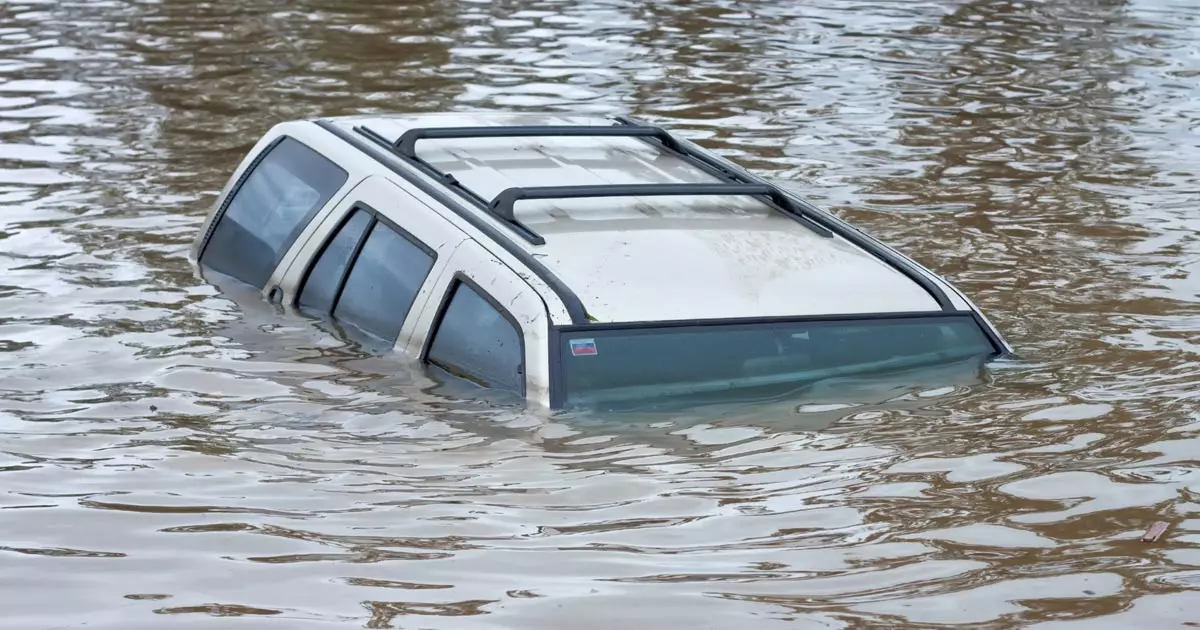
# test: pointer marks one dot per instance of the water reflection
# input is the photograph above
(167, 448)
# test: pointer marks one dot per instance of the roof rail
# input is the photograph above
(406, 144)
(502, 205)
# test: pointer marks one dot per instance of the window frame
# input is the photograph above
(301, 225)
(558, 380)
(376, 217)
(458, 279)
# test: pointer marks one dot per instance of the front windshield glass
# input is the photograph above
(754, 359)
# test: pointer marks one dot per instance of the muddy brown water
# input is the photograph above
(175, 456)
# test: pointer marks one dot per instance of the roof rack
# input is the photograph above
(501, 208)
(405, 148)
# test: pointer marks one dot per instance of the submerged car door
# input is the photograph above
(372, 264)
(485, 325)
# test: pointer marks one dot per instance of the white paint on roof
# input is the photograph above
(658, 258)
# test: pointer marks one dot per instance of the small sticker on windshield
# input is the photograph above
(583, 347)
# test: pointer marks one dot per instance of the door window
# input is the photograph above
(368, 276)
(325, 280)
(383, 283)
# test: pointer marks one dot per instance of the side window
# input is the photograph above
(325, 279)
(368, 282)
(383, 283)
(273, 204)
(475, 341)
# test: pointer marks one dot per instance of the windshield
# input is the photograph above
(764, 358)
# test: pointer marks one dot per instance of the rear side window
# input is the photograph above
(368, 276)
(269, 209)
(476, 341)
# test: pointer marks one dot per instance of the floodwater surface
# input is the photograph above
(174, 455)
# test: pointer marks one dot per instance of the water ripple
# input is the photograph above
(168, 448)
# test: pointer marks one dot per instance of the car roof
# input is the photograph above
(658, 258)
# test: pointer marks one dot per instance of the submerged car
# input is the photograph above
(574, 261)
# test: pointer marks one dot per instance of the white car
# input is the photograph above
(574, 261)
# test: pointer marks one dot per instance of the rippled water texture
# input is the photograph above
(173, 457)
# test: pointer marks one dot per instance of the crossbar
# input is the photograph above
(406, 144)
(503, 206)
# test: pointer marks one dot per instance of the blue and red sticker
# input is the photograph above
(583, 347)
